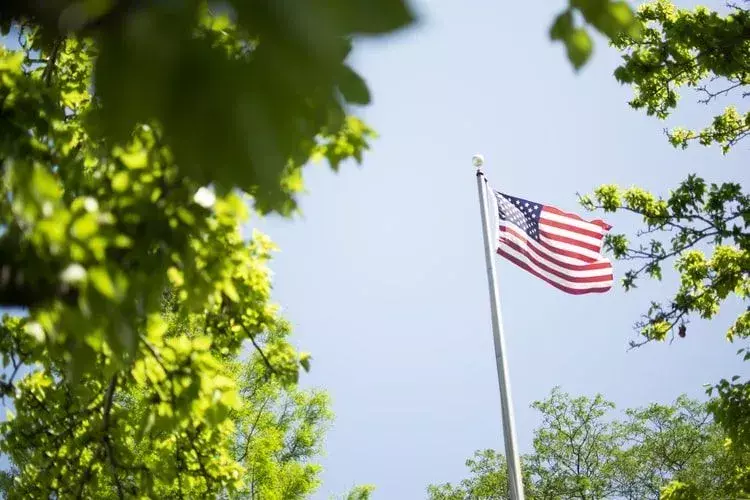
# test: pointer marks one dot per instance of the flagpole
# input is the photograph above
(509, 428)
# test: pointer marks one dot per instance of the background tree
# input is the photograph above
(574, 449)
(701, 228)
(144, 435)
(279, 435)
(582, 450)
(488, 480)
(662, 443)
(362, 492)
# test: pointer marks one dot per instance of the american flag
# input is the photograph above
(559, 247)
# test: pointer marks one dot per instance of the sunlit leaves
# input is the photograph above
(123, 147)
(677, 490)
(694, 217)
(684, 48)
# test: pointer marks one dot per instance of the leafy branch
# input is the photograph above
(695, 214)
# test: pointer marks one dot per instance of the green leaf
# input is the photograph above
(579, 46)
(120, 182)
(621, 13)
(100, 278)
(617, 18)
(12, 62)
(135, 160)
(369, 17)
(563, 26)
(186, 216)
(85, 226)
(231, 291)
(304, 360)
(353, 87)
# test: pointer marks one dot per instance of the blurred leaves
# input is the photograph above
(610, 18)
(272, 73)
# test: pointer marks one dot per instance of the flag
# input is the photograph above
(559, 247)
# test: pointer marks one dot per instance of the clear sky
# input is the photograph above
(383, 275)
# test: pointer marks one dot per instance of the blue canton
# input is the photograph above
(523, 213)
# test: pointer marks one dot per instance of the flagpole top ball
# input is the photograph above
(477, 160)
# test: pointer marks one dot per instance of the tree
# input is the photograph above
(153, 431)
(702, 228)
(581, 451)
(666, 442)
(362, 492)
(136, 138)
(683, 48)
(488, 480)
(278, 436)
(574, 449)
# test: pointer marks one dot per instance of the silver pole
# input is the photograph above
(509, 427)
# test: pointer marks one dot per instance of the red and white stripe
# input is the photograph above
(568, 255)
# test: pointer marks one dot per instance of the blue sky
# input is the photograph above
(383, 274)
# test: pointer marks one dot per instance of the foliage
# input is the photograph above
(488, 481)
(136, 138)
(274, 74)
(581, 451)
(573, 437)
(701, 49)
(279, 432)
(696, 48)
(667, 444)
(700, 228)
(701, 218)
(696, 215)
(184, 421)
(610, 18)
(361, 492)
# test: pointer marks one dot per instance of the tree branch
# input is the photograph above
(260, 351)
(713, 95)
(107, 410)
(52, 61)
(252, 429)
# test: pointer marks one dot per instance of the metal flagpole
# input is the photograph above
(509, 427)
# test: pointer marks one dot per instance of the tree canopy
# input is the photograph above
(583, 451)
